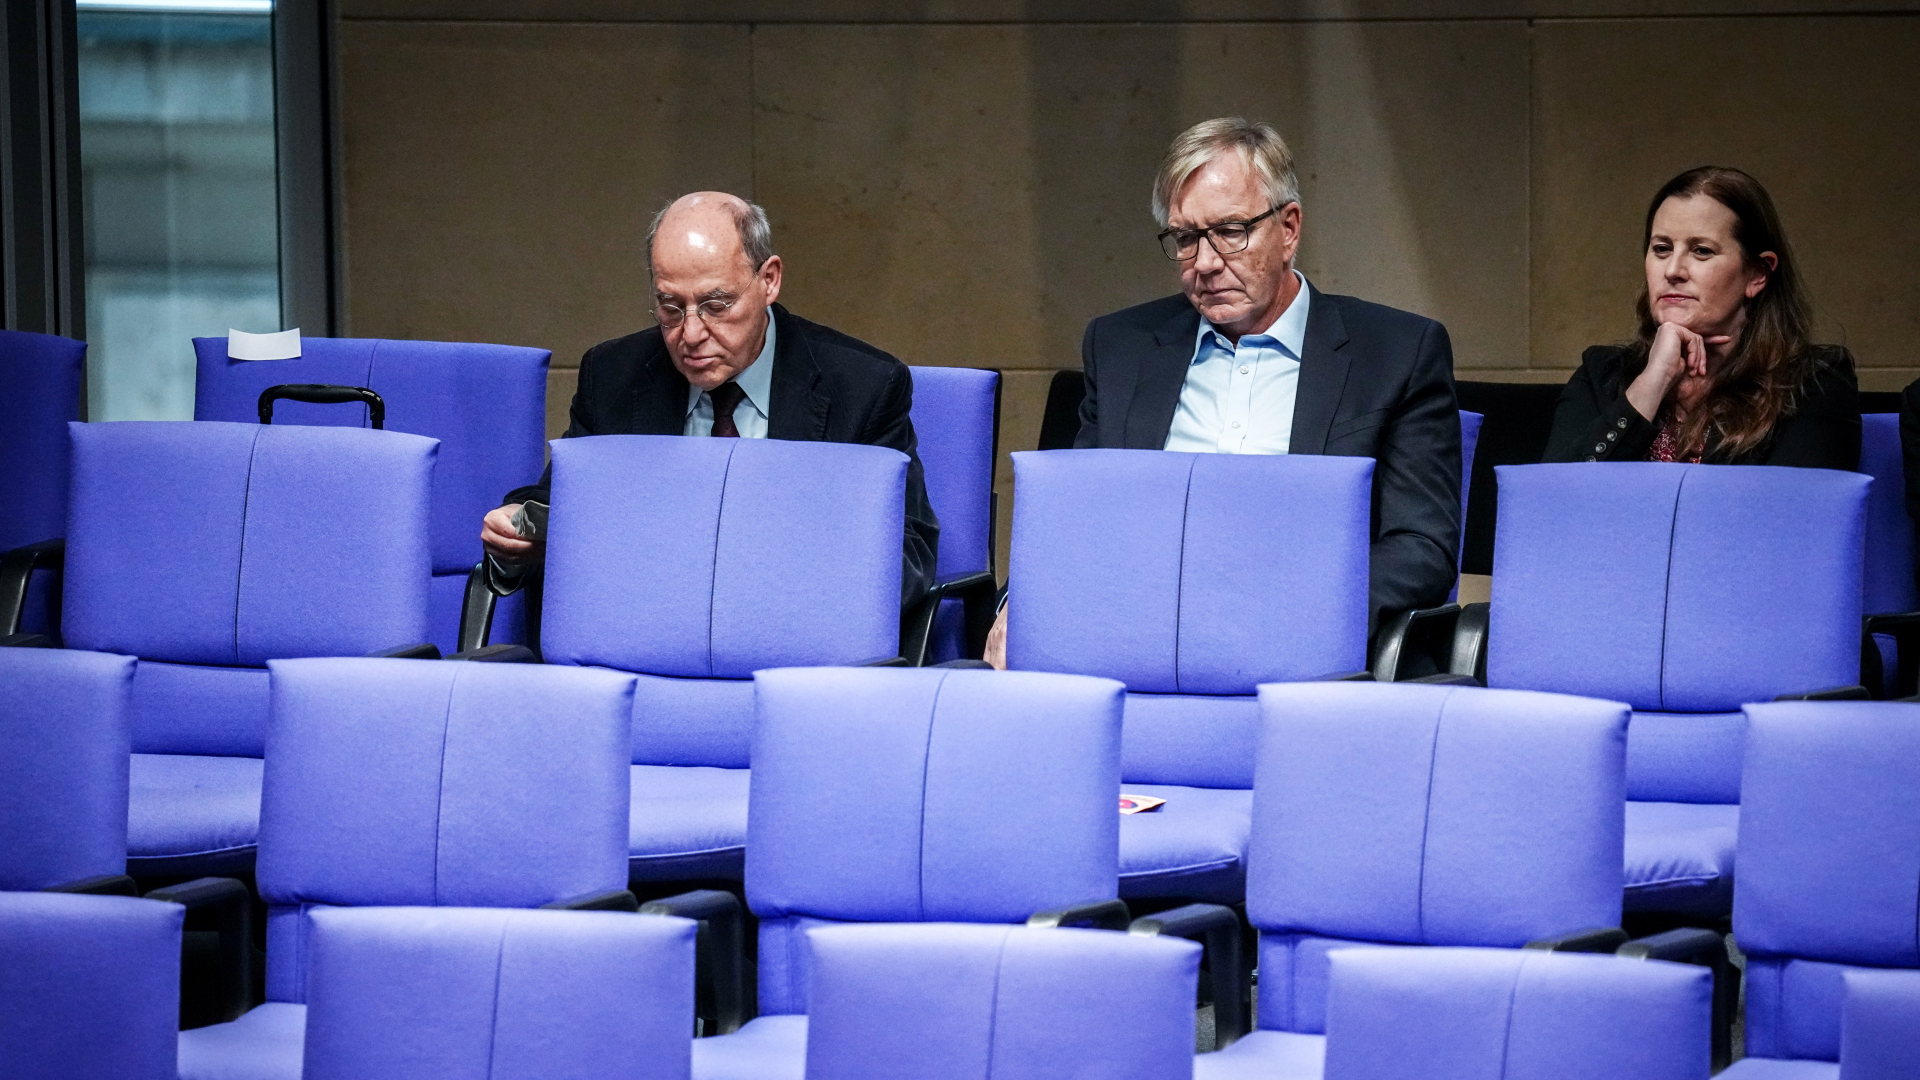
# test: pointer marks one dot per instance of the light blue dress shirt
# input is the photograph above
(750, 416)
(1238, 398)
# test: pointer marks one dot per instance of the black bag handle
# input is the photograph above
(323, 394)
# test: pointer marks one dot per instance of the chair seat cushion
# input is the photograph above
(265, 1044)
(687, 822)
(1680, 857)
(1775, 1069)
(1265, 1055)
(188, 814)
(768, 1048)
(1192, 847)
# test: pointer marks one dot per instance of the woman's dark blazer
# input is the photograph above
(1595, 422)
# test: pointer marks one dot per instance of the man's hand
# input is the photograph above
(502, 540)
(996, 652)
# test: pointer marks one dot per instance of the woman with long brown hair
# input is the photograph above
(1723, 370)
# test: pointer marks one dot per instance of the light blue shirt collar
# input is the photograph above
(756, 380)
(1289, 331)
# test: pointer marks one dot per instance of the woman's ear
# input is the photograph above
(1757, 280)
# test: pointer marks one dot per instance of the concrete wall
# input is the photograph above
(967, 183)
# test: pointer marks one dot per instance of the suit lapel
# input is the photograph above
(1161, 375)
(1323, 376)
(798, 410)
(659, 393)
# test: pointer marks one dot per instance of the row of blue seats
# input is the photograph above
(1385, 817)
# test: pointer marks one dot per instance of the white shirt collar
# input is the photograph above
(756, 380)
(1290, 329)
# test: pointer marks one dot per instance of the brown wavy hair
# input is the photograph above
(1772, 360)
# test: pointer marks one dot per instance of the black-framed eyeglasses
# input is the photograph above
(1226, 238)
(710, 312)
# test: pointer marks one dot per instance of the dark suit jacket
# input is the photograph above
(827, 387)
(1822, 432)
(1374, 382)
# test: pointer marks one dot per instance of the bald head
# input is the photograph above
(710, 225)
(714, 274)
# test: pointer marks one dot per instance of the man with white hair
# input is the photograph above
(1250, 358)
(727, 361)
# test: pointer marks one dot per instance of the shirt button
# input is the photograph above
(1236, 423)
(1599, 448)
(1244, 370)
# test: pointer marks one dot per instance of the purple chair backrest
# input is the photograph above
(1189, 573)
(1009, 1002)
(454, 993)
(982, 797)
(403, 782)
(1888, 575)
(954, 410)
(65, 733)
(1880, 1025)
(40, 386)
(1829, 854)
(1427, 815)
(1682, 588)
(1469, 441)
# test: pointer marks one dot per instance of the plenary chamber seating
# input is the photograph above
(207, 549)
(1685, 591)
(694, 563)
(1888, 595)
(65, 736)
(485, 403)
(423, 783)
(1826, 906)
(955, 414)
(42, 378)
(1138, 565)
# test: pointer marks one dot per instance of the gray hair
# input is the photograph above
(1258, 144)
(756, 234)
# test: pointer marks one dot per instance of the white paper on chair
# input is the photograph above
(284, 345)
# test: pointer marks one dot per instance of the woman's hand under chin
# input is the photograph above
(1677, 365)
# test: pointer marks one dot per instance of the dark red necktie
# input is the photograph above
(726, 397)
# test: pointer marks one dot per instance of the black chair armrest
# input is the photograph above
(426, 650)
(498, 654)
(1446, 679)
(1904, 628)
(233, 908)
(476, 609)
(1345, 676)
(1417, 642)
(965, 665)
(27, 641)
(721, 949)
(1098, 914)
(882, 661)
(16, 574)
(1831, 693)
(1469, 653)
(1597, 940)
(609, 900)
(104, 885)
(1217, 929)
(1708, 949)
(976, 590)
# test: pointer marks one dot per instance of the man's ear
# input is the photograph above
(1757, 280)
(770, 274)
(1289, 216)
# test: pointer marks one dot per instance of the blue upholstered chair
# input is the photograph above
(65, 735)
(1685, 591)
(910, 796)
(91, 989)
(207, 549)
(1412, 815)
(1829, 857)
(1191, 578)
(455, 993)
(409, 782)
(1507, 1014)
(487, 404)
(694, 563)
(42, 378)
(1887, 574)
(955, 414)
(1469, 441)
(947, 1002)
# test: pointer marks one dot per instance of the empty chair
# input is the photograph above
(947, 1002)
(92, 987)
(694, 562)
(1685, 591)
(910, 796)
(487, 404)
(454, 993)
(42, 378)
(1829, 854)
(1504, 1014)
(1404, 814)
(65, 734)
(1135, 565)
(955, 414)
(412, 782)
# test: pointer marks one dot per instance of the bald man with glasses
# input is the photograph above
(727, 361)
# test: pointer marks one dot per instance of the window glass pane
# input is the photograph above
(177, 159)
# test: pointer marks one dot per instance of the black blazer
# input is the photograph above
(1374, 382)
(827, 387)
(1595, 422)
